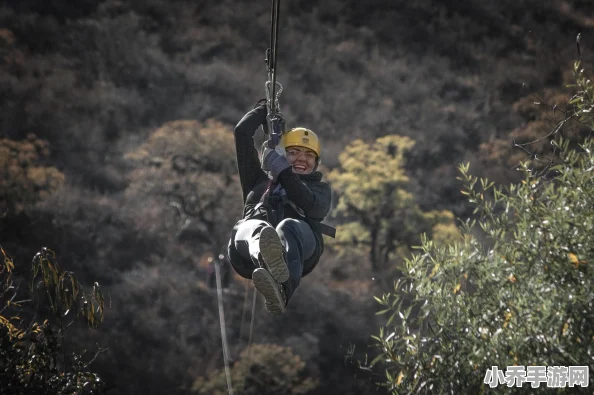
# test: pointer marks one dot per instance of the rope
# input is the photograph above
(243, 311)
(275, 123)
(226, 357)
(252, 322)
(249, 346)
(274, 47)
(223, 330)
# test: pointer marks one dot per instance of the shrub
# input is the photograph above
(521, 297)
(264, 369)
(32, 357)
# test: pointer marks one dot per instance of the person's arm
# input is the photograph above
(314, 200)
(248, 162)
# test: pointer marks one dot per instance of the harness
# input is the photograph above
(273, 206)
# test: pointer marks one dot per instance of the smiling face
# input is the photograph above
(302, 159)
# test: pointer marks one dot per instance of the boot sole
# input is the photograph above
(271, 250)
(268, 287)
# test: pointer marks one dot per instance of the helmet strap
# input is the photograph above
(318, 161)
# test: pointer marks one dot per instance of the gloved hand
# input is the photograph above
(265, 151)
(273, 162)
(260, 103)
(252, 120)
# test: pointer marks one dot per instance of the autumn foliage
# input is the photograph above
(379, 212)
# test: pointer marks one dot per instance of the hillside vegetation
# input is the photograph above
(116, 153)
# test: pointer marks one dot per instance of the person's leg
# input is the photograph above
(258, 241)
(272, 253)
(300, 244)
(272, 291)
(247, 239)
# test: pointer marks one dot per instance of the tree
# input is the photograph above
(380, 214)
(522, 296)
(264, 369)
(186, 173)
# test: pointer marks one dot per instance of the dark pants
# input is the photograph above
(295, 235)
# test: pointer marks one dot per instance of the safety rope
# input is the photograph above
(249, 345)
(223, 327)
(224, 340)
(275, 123)
(271, 57)
(243, 311)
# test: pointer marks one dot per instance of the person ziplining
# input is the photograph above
(278, 240)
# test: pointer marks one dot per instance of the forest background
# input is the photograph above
(116, 152)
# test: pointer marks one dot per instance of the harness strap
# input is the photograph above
(267, 191)
(323, 228)
(273, 205)
(320, 227)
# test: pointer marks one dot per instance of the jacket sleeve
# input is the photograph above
(314, 200)
(248, 162)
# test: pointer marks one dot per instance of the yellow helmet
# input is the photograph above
(301, 137)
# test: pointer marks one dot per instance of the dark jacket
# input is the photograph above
(306, 191)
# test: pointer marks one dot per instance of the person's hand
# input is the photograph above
(265, 151)
(252, 120)
(272, 162)
(261, 103)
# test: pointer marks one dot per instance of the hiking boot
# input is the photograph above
(272, 291)
(273, 254)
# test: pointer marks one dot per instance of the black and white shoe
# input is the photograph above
(273, 254)
(271, 290)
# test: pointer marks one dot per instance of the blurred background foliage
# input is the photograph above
(116, 152)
